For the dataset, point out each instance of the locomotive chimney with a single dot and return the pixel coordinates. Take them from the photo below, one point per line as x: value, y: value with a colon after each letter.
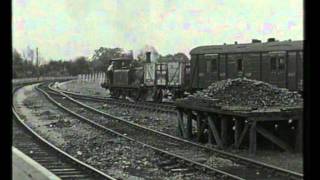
x: 148, y: 57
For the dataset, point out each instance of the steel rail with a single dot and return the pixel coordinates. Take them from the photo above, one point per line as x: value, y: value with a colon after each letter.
x: 224, y: 175
x: 55, y: 149
x: 234, y: 157
x: 163, y: 107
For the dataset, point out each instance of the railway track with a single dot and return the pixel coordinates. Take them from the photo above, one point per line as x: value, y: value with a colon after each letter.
x: 49, y: 156
x: 170, y: 161
x: 191, y: 153
x: 151, y: 106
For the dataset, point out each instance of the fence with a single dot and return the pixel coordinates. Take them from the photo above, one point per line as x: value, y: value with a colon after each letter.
x: 93, y: 78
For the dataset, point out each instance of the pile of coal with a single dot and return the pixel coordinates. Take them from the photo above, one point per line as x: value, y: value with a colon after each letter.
x: 245, y: 92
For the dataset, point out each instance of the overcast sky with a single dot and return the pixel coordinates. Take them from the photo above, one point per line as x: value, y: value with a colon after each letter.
x: 65, y: 29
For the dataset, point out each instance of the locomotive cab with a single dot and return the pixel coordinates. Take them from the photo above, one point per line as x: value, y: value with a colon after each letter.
x: 123, y: 78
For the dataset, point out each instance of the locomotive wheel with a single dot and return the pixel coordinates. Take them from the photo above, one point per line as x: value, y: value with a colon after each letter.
x: 143, y: 94
x: 135, y: 94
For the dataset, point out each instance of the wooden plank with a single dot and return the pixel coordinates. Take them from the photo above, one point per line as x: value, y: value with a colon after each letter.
x: 224, y: 131
x: 283, y: 115
x: 189, y: 125
x: 253, y: 139
x: 274, y: 117
x: 236, y: 131
x: 265, y: 133
x: 214, y: 130
x: 243, y: 133
x: 299, y: 136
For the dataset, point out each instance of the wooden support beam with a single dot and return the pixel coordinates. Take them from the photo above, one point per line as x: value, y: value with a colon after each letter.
x: 237, y: 131
x: 299, y: 136
x: 214, y: 130
x: 224, y: 131
x: 253, y: 138
x: 210, y: 137
x: 199, y: 127
x: 178, y: 130
x: 243, y: 133
x: 268, y: 135
x: 181, y: 123
x: 189, y: 125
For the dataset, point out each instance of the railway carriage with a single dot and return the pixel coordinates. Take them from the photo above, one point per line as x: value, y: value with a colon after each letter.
x: 278, y: 63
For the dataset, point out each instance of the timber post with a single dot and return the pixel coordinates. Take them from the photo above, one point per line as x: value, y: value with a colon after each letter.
x: 236, y: 131
x: 212, y: 127
x: 224, y: 130
x: 299, y: 136
x: 199, y: 126
x: 253, y: 138
x: 189, y: 125
x: 181, y: 123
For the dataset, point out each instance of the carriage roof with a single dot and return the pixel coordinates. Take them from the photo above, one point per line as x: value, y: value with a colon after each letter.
x: 249, y: 47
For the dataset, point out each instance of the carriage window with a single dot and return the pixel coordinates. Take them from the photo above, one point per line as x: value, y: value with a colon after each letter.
x: 214, y: 65
x: 273, y: 62
x: 239, y: 62
x: 281, y: 63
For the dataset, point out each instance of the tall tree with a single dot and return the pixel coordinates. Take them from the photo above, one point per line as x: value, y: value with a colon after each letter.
x: 80, y: 66
x: 102, y: 56
x: 181, y: 57
x: 17, y: 64
x: 176, y: 57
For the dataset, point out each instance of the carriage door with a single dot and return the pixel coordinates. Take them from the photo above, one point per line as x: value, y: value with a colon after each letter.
x: 292, y: 71
x: 161, y: 74
x: 278, y: 69
x: 211, y: 68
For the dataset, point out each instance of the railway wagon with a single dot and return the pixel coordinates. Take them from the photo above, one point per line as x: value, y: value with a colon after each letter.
x: 169, y: 76
x: 277, y: 62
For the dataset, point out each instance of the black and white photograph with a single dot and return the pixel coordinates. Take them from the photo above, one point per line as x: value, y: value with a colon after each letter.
x: 158, y: 90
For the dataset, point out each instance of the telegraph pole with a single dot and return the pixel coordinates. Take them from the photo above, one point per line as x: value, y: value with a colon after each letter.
x: 38, y: 74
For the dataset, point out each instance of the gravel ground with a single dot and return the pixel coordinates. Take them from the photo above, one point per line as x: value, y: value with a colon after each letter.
x: 167, y: 124
x: 115, y: 156
x: 163, y: 122
x: 285, y: 160
x: 88, y: 88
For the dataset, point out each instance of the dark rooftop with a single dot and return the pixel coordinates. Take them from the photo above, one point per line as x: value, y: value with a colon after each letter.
x: 249, y: 47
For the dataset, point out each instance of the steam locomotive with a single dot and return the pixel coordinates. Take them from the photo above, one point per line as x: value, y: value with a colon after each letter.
x: 277, y: 62
x: 147, y: 81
